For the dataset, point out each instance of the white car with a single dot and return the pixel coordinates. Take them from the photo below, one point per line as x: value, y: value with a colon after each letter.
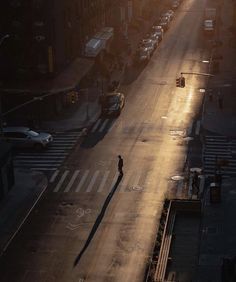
x: 148, y: 43
x: 24, y: 137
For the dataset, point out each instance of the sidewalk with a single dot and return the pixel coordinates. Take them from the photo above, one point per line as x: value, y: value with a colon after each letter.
x: 222, y: 120
x: 218, y: 230
x: 19, y: 202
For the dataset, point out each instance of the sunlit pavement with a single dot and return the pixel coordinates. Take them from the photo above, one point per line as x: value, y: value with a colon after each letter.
x: 149, y: 135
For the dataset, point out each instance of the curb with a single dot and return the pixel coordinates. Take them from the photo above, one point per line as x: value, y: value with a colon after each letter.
x: 17, y: 229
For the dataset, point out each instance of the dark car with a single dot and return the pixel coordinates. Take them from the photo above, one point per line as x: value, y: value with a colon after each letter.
x: 149, y: 44
x: 154, y: 37
x: 142, y: 56
x: 175, y: 4
x: 112, y: 104
x: 24, y: 137
x: 164, y: 23
x: 168, y: 13
x: 157, y: 29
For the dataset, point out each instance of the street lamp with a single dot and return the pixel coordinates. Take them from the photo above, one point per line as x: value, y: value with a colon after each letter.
x: 1, y: 132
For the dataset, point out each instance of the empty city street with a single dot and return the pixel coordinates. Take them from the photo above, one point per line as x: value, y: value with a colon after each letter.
x: 88, y: 203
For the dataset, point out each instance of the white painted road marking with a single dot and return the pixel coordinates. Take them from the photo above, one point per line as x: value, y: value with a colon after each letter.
x: 57, y: 188
x: 83, y: 179
x: 74, y: 176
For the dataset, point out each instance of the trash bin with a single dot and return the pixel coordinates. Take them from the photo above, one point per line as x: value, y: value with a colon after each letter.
x: 215, y: 192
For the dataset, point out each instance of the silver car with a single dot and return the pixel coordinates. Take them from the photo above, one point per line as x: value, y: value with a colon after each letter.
x: 24, y: 137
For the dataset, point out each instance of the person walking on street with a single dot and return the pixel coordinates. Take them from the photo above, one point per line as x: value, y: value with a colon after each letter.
x: 120, y: 165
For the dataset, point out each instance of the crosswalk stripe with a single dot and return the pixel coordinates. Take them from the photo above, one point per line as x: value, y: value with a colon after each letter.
x: 82, y: 181
x: 90, y: 187
x: 44, y: 168
x: 104, y: 179
x: 35, y: 161
x: 125, y: 181
x: 190, y: 128
x: 48, y: 153
x: 96, y: 125
x: 38, y: 157
x: 53, y: 177
x: 180, y: 186
x: 198, y: 126
x: 58, y: 186
x: 74, y: 176
x: 215, y: 136
x: 216, y: 148
x: 103, y: 125
x: 56, y: 165
x: 137, y: 178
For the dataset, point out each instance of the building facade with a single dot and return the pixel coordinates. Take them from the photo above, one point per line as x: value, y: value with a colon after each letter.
x: 46, y: 35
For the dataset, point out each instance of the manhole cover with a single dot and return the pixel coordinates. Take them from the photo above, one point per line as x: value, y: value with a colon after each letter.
x: 137, y: 188
x: 177, y: 177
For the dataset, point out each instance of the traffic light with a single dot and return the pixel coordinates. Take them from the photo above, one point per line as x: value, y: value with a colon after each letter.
x: 180, y: 82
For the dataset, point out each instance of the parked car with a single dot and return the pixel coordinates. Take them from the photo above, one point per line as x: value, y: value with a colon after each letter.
x: 164, y: 23
x: 171, y: 13
x: 112, y: 104
x: 24, y: 137
x: 168, y: 13
x: 175, y: 4
x: 142, y: 56
x: 167, y: 16
x: 154, y: 37
x: 148, y: 43
x: 157, y: 29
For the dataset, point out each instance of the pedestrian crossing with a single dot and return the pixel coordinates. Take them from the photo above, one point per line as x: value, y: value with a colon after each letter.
x: 102, y: 126
x: 51, y: 158
x: 222, y: 151
x: 87, y: 181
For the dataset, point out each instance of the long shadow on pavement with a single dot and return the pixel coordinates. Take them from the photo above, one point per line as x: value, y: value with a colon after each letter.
x: 98, y: 220
x: 132, y: 73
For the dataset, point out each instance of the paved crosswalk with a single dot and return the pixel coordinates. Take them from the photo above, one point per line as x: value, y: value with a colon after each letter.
x: 105, y: 125
x: 87, y: 181
x: 219, y: 149
x: 51, y: 158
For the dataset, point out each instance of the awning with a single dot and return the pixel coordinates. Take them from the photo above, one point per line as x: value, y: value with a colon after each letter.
x: 67, y: 80
x: 93, y: 47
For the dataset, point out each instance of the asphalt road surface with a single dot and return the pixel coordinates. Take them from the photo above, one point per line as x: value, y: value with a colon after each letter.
x: 149, y: 135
